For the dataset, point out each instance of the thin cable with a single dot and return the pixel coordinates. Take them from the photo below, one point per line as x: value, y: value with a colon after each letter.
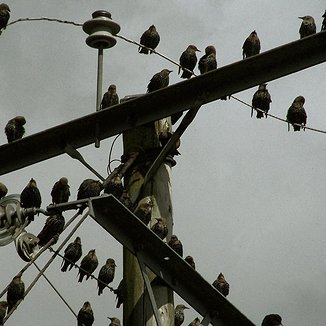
x: 45, y: 18
x: 110, y: 154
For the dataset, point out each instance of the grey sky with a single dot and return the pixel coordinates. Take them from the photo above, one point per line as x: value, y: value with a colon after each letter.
x: 248, y: 195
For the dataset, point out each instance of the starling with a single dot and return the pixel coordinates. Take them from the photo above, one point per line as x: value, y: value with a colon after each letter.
x: 30, y: 196
x: 110, y: 97
x: 159, y: 80
x: 221, y: 285
x: 89, y: 188
x: 176, y: 245
x: 53, y: 227
x: 106, y: 275
x: 88, y: 265
x: 14, y: 129
x: 188, y: 60
x: 72, y: 254
x: 160, y: 228
x: 114, y: 186
x: 3, y: 190
x: 60, y: 192
x: 150, y: 38
x: 195, y: 322
x: 114, y: 321
x: 251, y: 46
x: 208, y: 61
x: 190, y: 261
x: 323, y: 25
x: 179, y: 314
x: 297, y: 114
x: 272, y: 320
x: 261, y: 100
x: 85, y: 315
x: 144, y: 209
x: 3, y: 310
x: 119, y: 293
x: 16, y: 290
x: 4, y: 16
x: 308, y: 26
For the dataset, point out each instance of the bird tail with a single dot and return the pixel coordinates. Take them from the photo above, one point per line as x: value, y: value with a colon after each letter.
x: 296, y: 128
x: 259, y: 114
x: 186, y: 74
x: 65, y: 266
x: 143, y: 50
x: 100, y: 291
x: 81, y: 276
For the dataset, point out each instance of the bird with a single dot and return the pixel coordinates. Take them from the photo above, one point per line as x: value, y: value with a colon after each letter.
x: 195, y: 322
x: 31, y: 196
x: 3, y: 311
x: 222, y: 285
x: 114, y: 186
x: 188, y: 60
x: 261, y: 100
x: 85, y: 315
x: 114, y: 321
x: 72, y: 254
x: 159, y: 80
x: 14, y: 129
x: 208, y: 61
x: 119, y: 292
x: 179, y: 315
x: 53, y: 227
x: 143, y: 209
x: 106, y: 275
x: 307, y: 27
x: 60, y: 192
x: 15, y: 292
x: 88, y: 265
x: 176, y: 245
x: 150, y: 38
x: 251, y: 45
x: 190, y: 261
x: 4, y: 16
x: 3, y: 190
x: 89, y: 188
x: 323, y: 25
x: 297, y: 114
x: 272, y: 320
x: 110, y: 97
x: 160, y: 228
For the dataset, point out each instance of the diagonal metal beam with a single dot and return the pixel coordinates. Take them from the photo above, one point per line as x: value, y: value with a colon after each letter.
x: 230, y: 79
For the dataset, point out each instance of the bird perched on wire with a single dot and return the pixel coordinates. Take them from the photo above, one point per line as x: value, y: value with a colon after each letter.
x: 88, y: 265
x: 119, y: 292
x: 89, y: 188
x: 208, y: 61
x: 188, y: 60
x: 53, y: 227
x: 143, y: 209
x: 106, y: 275
x: 4, y: 16
x: 72, y: 254
x: 3, y: 190
x: 251, y: 45
x: 190, y: 261
x: 272, y: 320
x: 110, y: 97
x: 176, y: 245
x: 3, y: 311
x: 261, y: 100
x: 297, y: 114
x: 222, y: 285
x: 150, y: 39
x: 323, y: 25
x: 60, y: 192
x: 15, y: 292
x: 195, y: 322
x: 114, y: 321
x: 307, y: 27
x: 160, y: 228
x: 159, y: 80
x: 113, y: 185
x: 85, y: 315
x: 179, y: 315
x: 14, y: 129
x: 31, y: 196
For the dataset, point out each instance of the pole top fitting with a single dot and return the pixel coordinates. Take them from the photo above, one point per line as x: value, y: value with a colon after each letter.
x: 101, y: 30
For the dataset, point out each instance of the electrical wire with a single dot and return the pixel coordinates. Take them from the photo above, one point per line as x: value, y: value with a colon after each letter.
x: 108, y: 169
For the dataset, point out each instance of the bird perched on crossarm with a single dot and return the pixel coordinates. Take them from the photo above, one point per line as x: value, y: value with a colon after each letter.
x: 85, y: 315
x: 4, y: 16
x: 60, y: 192
x: 3, y: 190
x: 159, y: 80
x: 89, y: 188
x: 110, y: 97
x: 195, y: 322
x: 297, y: 114
x: 15, y: 292
x: 88, y: 265
x: 272, y: 320
x: 160, y: 228
x: 251, y: 45
x: 188, y: 59
x: 176, y: 245
x: 114, y: 321
x: 31, y: 196
x: 72, y: 254
x: 190, y: 261
x: 150, y: 38
x: 14, y: 129
x: 261, y: 100
x: 208, y: 61
x: 221, y: 285
x: 179, y: 315
x: 143, y: 209
x: 307, y: 27
x: 106, y: 275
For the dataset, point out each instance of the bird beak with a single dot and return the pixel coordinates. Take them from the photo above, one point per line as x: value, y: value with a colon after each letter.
x: 198, y: 50
x: 170, y: 71
x: 300, y: 17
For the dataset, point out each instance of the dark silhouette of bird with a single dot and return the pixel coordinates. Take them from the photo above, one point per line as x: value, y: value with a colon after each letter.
x: 72, y: 254
x: 272, y: 320
x: 307, y: 27
x: 14, y: 129
x: 53, y: 227
x: 222, y: 285
x: 323, y: 25
x: 160, y: 228
x: 179, y: 315
x: 164, y: 136
x: 190, y: 261
x: 159, y: 80
x: 4, y: 16
x: 251, y: 45
x: 106, y: 275
x: 143, y: 209
x: 150, y: 38
x: 31, y: 196
x: 195, y: 322
x: 110, y: 97
x: 297, y: 114
x: 119, y: 292
x: 15, y: 292
x: 114, y: 321
x: 89, y: 188
x: 3, y: 190
x: 3, y: 311
x: 60, y: 192
x: 208, y: 61
x: 114, y: 186
x: 176, y: 245
x: 85, y: 315
x: 88, y: 265
x: 188, y: 60
x: 261, y: 100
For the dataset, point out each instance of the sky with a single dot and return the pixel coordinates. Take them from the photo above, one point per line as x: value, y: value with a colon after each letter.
x: 248, y: 196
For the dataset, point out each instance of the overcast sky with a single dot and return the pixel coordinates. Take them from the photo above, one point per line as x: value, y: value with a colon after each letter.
x: 248, y: 196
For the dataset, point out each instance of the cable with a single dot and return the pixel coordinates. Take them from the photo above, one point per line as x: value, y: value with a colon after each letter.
x: 45, y: 18
x: 108, y: 169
